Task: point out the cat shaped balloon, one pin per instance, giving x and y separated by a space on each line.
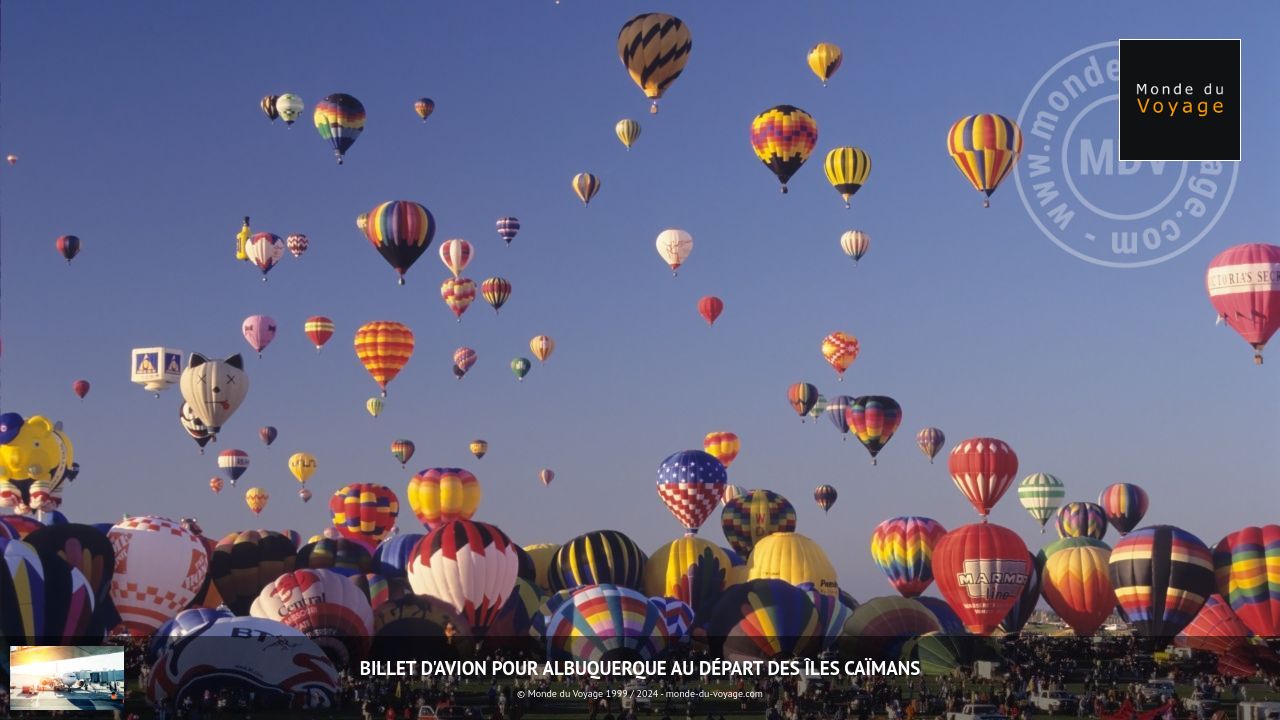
214 388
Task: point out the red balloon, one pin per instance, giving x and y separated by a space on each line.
1244 287
981 570
80 388
710 308
983 468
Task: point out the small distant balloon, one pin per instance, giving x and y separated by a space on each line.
424 107
507 228
495 291
80 388
402 450
256 499
68 247
542 347
628 131
305 494
520 366
268 435
12 159
463 359
319 329
215 484
824 60
479 448
586 185
855 244
289 107
297 244
374 406
546 476
710 307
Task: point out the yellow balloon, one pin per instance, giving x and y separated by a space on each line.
241 238
824 60
374 406
479 448
256 499
439 495
542 347
302 465
793 558
542 554
654 47
628 131
666 574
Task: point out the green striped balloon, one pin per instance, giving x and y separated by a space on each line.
1041 494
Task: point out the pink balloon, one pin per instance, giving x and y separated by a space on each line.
259 331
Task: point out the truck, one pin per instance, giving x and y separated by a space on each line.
1258 711
1054 702
975 712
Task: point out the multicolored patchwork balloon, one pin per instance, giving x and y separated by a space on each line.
753 516
875 418
1082 519
902 547
364 513
339 118
783 137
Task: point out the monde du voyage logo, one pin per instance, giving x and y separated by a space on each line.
1130 148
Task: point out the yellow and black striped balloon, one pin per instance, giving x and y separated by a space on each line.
847 169
985 147
654 47
602 556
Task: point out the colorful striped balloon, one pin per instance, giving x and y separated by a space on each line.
751 517
1041 494
840 349
1162 576
1247 567
1125 505
722 445
441 495
603 622
847 170
364 513
802 396
902 547
318 329
1216 629
875 418
837 413
985 148
507 228
654 47
402 450
930 440
458 293
339 118
456 255
585 185
384 348
495 291
401 231
1077 583
825 496
1082 519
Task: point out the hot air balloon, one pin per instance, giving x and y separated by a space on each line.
855 244
837 412
847 170
264 250
722 445
819 407
882 626
628 131
1125 505
400 230
12 159
339 119
690 483
80 388
326 607
802 396
215 484
783 138
180 626
302 465
690 569
440 495
256 499
478 448
1082 519
763 620
794 558
319 329
930 440
463 359
605 621
874 418
520 366
472 566
598 557
333 552
754 515
710 307
983 469
304 494
495 291
243 563
674 246
1076 582
83 548
456 254
364 513
424 107
402 450
268 106
194 427
824 60
1023 608
985 148
542 346
258 331
507 228
981 570
267 434
545 476
458 294
585 185
903 547
654 48
1216 629
384 348
1244 286
825 496
374 406
297 244
68 247
1041 494
159 566
1247 569
289 106
214 389
233 464
840 350
46 599
1162 575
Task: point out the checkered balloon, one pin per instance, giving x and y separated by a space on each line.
690 483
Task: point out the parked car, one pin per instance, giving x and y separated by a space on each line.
1054 702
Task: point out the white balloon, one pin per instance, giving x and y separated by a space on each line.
674 246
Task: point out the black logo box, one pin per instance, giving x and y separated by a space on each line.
1164 75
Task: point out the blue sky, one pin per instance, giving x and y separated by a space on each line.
138 129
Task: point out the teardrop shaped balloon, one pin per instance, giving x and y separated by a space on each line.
1125 505
802 396
302 465
458 293
674 246
456 254
401 231
424 107
722 445
1244 287
824 59
840 350
981 570
289 106
264 250
690 483
318 329
520 367
233 463
495 291
654 47
339 118
930 440
297 244
585 185
985 148
855 244
268 106
628 131
267 434
902 547
825 496
710 307
374 406
402 450
783 138
542 346
508 227
546 475
256 499
305 494
68 247
258 331
847 169
875 418
1082 519
983 469
1041 495
384 348
478 448
80 388
463 359
215 484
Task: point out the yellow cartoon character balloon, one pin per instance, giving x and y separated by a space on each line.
33 449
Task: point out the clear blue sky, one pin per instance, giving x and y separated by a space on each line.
138 129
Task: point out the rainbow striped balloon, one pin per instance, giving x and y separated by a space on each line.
903 548
1247 566
1162 576
1125 505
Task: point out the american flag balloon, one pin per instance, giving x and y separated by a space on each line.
690 483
